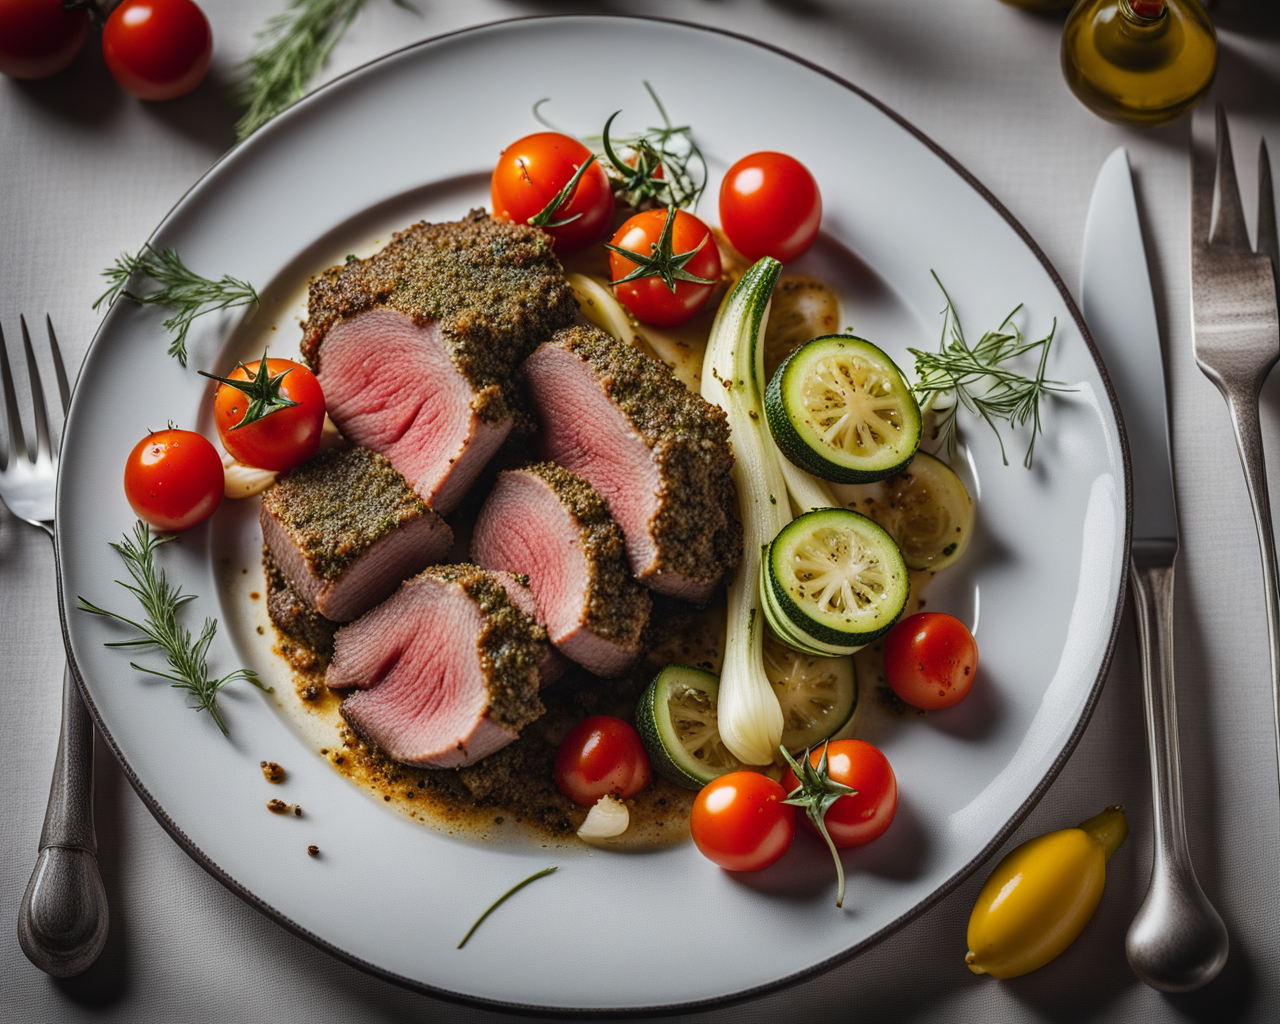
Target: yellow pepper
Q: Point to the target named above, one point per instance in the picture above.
(1041, 895)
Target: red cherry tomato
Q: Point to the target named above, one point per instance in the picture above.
(157, 49)
(648, 298)
(770, 206)
(740, 822)
(39, 38)
(533, 170)
(858, 819)
(281, 439)
(930, 660)
(173, 479)
(601, 755)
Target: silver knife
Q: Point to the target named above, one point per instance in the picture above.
(1177, 941)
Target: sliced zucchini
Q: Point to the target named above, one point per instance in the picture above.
(818, 695)
(840, 409)
(836, 579)
(676, 718)
(925, 508)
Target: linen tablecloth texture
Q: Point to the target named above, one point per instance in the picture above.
(86, 172)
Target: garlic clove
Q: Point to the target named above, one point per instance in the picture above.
(608, 819)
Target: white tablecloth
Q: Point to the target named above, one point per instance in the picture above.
(86, 172)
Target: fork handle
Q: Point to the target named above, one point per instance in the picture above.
(62, 923)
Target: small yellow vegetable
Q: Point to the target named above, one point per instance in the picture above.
(1040, 897)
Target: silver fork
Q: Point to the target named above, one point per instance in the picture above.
(62, 924)
(1236, 328)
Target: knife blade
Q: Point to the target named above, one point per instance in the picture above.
(1115, 295)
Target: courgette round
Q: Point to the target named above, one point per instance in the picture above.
(677, 721)
(818, 694)
(836, 579)
(839, 408)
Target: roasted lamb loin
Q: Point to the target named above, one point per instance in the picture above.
(447, 668)
(657, 453)
(553, 527)
(415, 347)
(345, 528)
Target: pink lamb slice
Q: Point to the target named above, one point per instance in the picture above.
(391, 386)
(553, 527)
(446, 669)
(554, 664)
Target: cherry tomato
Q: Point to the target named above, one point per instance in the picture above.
(740, 822)
(930, 660)
(281, 439)
(648, 298)
(157, 49)
(173, 479)
(533, 170)
(864, 816)
(39, 38)
(770, 206)
(601, 755)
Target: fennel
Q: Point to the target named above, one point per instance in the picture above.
(750, 716)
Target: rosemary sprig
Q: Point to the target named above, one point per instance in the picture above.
(191, 294)
(816, 792)
(977, 378)
(160, 603)
(503, 899)
(289, 52)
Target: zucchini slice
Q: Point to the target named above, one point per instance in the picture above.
(818, 695)
(676, 718)
(840, 409)
(835, 578)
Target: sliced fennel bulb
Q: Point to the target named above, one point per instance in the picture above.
(750, 717)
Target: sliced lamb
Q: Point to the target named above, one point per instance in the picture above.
(345, 528)
(292, 615)
(553, 527)
(554, 664)
(415, 347)
(656, 452)
(447, 669)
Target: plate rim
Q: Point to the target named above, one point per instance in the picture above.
(821, 967)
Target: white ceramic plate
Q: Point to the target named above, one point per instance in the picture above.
(414, 135)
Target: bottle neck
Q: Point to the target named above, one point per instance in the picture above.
(1144, 12)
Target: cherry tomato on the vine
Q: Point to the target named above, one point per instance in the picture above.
(281, 436)
(157, 49)
(864, 816)
(532, 172)
(740, 822)
(930, 660)
(651, 298)
(39, 38)
(770, 206)
(601, 755)
(173, 479)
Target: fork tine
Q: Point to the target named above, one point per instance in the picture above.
(43, 448)
(17, 440)
(64, 389)
(1268, 243)
(1227, 228)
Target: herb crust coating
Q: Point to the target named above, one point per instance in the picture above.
(293, 616)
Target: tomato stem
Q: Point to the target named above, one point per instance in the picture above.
(262, 390)
(542, 219)
(662, 261)
(816, 792)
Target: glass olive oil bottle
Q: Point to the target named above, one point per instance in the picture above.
(1141, 62)
(1041, 5)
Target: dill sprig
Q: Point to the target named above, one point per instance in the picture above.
(289, 52)
(191, 294)
(977, 379)
(660, 164)
(160, 628)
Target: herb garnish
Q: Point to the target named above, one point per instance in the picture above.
(662, 261)
(816, 793)
(502, 899)
(977, 378)
(160, 602)
(262, 390)
(542, 219)
(191, 294)
(289, 52)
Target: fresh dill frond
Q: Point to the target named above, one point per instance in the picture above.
(977, 379)
(288, 53)
(181, 288)
(160, 628)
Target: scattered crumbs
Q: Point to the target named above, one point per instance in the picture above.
(244, 572)
(297, 810)
(662, 801)
(499, 820)
(277, 807)
(311, 693)
(324, 750)
(339, 759)
(313, 851)
(272, 772)
(254, 596)
(261, 631)
(387, 799)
